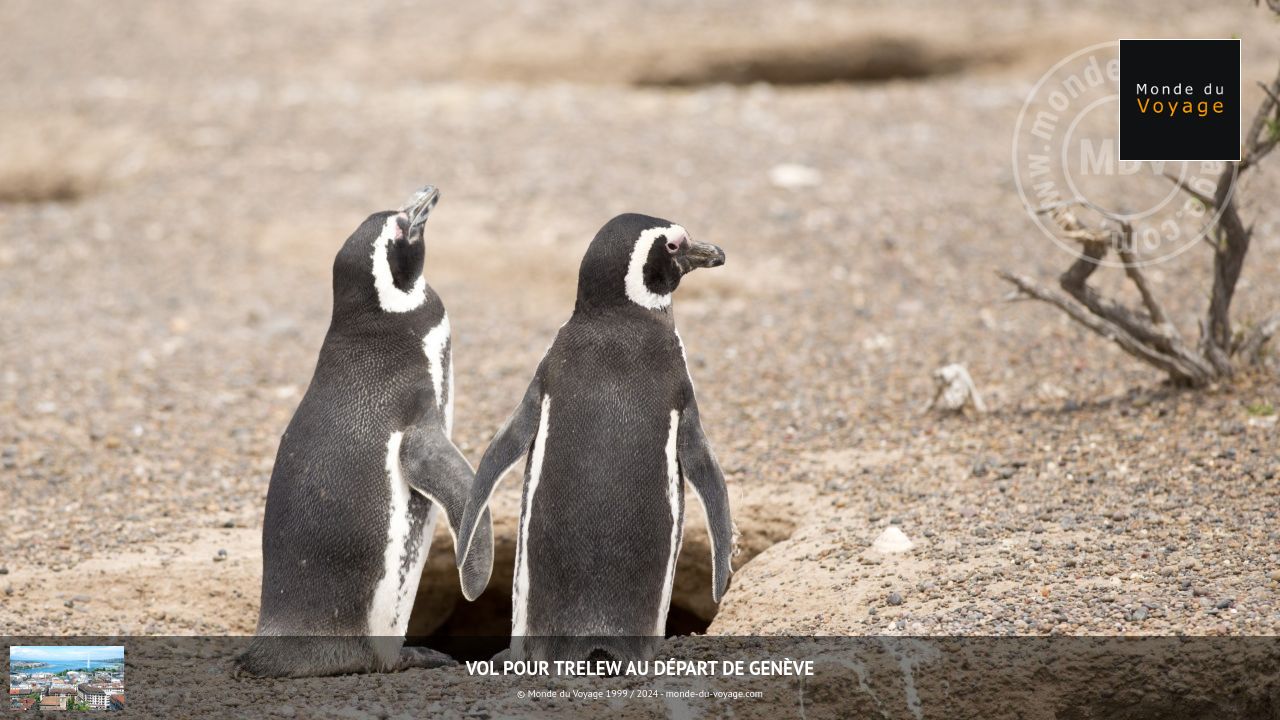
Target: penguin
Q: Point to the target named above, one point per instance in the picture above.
(611, 431)
(364, 470)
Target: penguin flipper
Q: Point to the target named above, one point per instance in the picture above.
(433, 466)
(699, 467)
(509, 444)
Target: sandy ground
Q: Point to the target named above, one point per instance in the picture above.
(174, 183)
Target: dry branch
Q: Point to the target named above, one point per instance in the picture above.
(1208, 201)
(1151, 336)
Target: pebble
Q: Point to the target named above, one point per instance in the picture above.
(891, 541)
(793, 177)
(5, 571)
(222, 555)
(895, 598)
(1225, 603)
(1275, 575)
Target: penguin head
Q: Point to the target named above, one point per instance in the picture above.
(640, 259)
(380, 265)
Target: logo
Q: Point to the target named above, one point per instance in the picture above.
(1072, 180)
(1180, 100)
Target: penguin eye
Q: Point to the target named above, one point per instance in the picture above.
(672, 246)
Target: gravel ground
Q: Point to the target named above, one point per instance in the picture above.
(170, 202)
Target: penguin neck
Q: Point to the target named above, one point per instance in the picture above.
(355, 316)
(625, 310)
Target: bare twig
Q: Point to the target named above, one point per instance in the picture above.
(1068, 220)
(1251, 346)
(1186, 187)
(1186, 373)
(1269, 92)
(1154, 309)
(1261, 139)
(1233, 237)
(1074, 283)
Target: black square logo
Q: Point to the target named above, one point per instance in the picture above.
(1179, 99)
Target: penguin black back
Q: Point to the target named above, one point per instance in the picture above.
(364, 468)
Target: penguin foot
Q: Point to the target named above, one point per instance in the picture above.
(421, 657)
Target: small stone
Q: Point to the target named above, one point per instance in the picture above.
(891, 541)
(222, 555)
(894, 598)
(1275, 575)
(230, 524)
(793, 177)
(1225, 603)
(954, 390)
(1139, 615)
(4, 570)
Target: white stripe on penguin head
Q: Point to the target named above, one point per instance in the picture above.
(637, 291)
(390, 297)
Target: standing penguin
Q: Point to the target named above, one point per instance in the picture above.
(364, 469)
(610, 425)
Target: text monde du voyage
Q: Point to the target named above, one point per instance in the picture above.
(1179, 99)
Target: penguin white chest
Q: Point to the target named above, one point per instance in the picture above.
(404, 555)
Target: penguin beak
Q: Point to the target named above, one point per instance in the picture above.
(418, 207)
(702, 255)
